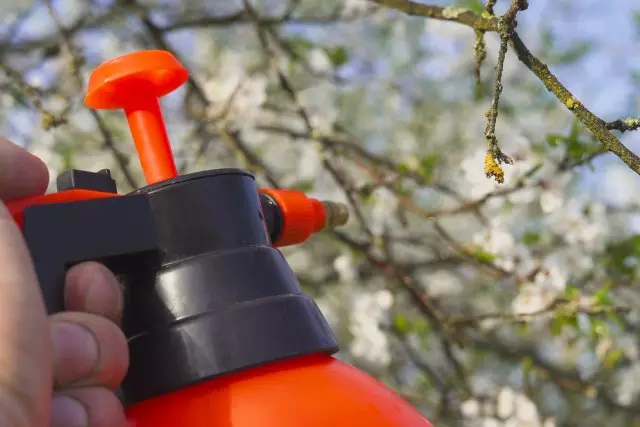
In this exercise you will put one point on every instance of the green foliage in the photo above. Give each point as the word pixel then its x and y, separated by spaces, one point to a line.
pixel 523 328
pixel 401 323
pixel 615 319
pixel 573 54
pixel 404 325
pixel 425 166
pixel 636 20
pixel 18 96
pixel 620 258
pixel 612 358
pixel 483 90
pixel 634 75
pixel 571 292
pixel 474 5
pixel 300 46
pixel 483 255
pixel 526 365
pixel 567 56
pixel 577 145
pixel 562 321
pixel 597 328
pixel 409 75
pixel 337 55
pixel 305 186
pixel 66 153
pixel 602 297
pixel 531 238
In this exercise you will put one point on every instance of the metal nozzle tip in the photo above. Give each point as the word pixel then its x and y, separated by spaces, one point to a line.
pixel 337 214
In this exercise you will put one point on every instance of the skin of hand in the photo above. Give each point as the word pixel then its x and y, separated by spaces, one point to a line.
pixel 59 370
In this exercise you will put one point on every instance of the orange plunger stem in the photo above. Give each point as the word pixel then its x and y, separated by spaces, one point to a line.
pixel 134 82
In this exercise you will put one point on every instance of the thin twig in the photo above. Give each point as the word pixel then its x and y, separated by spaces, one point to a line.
pixel 34 94
pixel 495 156
pixel 289 89
pixel 565 307
pixel 596 125
pixel 75 61
pixel 623 125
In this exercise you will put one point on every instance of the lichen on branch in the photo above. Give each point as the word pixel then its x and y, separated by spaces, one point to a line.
pixel 489 23
pixel 623 125
pixel 455 14
pixel 495 157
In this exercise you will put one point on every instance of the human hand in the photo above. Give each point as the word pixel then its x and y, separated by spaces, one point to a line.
pixel 59 370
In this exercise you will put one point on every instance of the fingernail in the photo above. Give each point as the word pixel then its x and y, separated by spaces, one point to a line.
pixel 75 352
pixel 68 412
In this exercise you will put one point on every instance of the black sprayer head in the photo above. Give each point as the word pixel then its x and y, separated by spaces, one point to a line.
pixel 206 292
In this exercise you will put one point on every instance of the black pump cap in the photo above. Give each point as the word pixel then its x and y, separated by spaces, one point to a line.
pixel 205 292
pixel 75 179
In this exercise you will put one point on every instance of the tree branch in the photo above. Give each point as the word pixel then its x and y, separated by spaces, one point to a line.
pixel 74 62
pixel 623 125
pixel 495 156
pixel 598 127
pixel 565 307
pixel 454 14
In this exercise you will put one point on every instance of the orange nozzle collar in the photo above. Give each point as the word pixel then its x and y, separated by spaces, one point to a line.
pixel 302 215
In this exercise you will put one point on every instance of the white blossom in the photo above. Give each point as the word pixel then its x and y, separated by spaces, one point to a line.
pixel 355 6
pixel 345 267
pixel 442 283
pixel 470 408
pixel 587 230
pixel 404 93
pixel 628 384
pixel 525 410
pixel 385 206
pixel 551 200
pixel 369 309
pixel 319 61
pixel 318 102
pixel 310 163
pixel 501 243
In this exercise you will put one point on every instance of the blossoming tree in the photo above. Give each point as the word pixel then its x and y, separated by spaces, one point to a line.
pixel 488 272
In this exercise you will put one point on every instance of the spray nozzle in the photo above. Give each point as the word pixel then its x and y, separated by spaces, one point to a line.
pixel 300 216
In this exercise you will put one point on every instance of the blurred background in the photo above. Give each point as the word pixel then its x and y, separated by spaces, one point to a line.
pixel 483 304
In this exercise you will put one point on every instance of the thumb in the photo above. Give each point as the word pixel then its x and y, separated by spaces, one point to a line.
pixel 25 342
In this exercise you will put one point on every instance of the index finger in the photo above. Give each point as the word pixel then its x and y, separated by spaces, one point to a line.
pixel 25 345
pixel 21 173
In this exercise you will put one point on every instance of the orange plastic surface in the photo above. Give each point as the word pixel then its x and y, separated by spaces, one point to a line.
pixel 151 139
pixel 303 215
pixel 310 391
pixel 134 82
pixel 16 207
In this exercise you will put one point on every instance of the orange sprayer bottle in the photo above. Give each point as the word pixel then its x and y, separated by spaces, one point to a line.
pixel 220 333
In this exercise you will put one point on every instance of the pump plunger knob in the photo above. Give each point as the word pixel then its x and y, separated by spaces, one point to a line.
pixel 134 82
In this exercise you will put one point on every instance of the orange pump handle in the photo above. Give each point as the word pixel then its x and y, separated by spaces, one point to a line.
pixel 134 82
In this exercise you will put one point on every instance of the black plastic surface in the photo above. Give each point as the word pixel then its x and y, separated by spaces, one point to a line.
pixel 205 293
pixel 118 232
pixel 272 216
pixel 238 309
pixel 79 179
